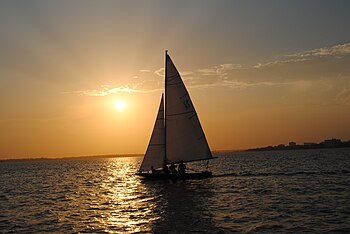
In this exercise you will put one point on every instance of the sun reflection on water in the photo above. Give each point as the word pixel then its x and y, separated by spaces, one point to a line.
pixel 130 207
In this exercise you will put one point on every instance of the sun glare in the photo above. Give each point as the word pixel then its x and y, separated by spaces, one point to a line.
pixel 120 105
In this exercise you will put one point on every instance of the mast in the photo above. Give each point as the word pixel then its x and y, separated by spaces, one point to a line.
pixel 165 108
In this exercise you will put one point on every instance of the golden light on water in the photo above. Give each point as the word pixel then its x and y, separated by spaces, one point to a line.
pixel 127 205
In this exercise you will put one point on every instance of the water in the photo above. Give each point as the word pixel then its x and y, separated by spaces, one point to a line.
pixel 256 192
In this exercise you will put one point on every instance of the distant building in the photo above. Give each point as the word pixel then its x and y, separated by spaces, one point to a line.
pixel 292 143
pixel 332 142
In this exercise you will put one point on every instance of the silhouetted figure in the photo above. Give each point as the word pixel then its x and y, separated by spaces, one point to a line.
pixel 182 168
pixel 173 169
pixel 165 169
pixel 153 170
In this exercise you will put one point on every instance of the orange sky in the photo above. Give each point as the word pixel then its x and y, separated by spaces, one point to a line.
pixel 257 74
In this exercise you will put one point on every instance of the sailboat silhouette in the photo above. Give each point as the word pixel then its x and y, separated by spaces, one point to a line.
pixel 177 134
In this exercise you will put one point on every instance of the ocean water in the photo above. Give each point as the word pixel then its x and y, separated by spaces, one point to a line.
pixel 252 192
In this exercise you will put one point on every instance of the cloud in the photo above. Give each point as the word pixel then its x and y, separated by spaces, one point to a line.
pixel 344 95
pixel 144 70
pixel 312 65
pixel 220 70
pixel 106 90
pixel 235 84
pixel 323 64
pixel 279 62
pixel 186 73
pixel 160 72
pixel 336 50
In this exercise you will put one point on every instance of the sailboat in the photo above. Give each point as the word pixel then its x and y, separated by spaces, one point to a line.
pixel 177 134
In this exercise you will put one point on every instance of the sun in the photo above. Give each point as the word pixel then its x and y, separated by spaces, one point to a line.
pixel 120 105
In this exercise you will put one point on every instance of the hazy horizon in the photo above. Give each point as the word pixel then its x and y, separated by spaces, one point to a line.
pixel 86 77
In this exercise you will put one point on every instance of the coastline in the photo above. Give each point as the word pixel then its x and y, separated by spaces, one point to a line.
pixel 301 147
pixel 74 157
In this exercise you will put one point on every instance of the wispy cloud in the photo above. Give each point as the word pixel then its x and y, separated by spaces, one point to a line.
pixel 219 70
pixel 186 73
pixel 106 90
pixel 236 84
pixel 160 72
pixel 337 50
pixel 344 95
pixel 312 65
pixel 279 62
pixel 315 70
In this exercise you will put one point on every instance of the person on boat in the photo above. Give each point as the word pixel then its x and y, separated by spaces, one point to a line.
pixel 165 169
pixel 173 169
pixel 154 171
pixel 182 168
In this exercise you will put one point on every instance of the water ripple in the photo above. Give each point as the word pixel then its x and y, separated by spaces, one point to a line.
pixel 265 192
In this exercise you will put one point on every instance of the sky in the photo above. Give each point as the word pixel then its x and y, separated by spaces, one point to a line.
pixel 259 72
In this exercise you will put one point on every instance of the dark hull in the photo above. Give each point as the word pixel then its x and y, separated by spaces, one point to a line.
pixel 187 176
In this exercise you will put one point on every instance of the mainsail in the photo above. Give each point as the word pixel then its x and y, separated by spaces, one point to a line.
pixel 178 137
pixel 185 139
pixel 155 153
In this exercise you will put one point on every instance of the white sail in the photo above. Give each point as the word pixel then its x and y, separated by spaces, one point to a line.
pixel 155 153
pixel 185 139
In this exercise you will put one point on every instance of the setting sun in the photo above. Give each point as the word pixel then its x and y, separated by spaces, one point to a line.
pixel 120 105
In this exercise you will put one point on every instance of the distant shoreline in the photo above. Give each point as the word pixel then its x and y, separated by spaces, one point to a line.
pixel 327 144
pixel 74 158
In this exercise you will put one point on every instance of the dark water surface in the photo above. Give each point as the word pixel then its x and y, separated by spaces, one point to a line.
pixel 256 192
